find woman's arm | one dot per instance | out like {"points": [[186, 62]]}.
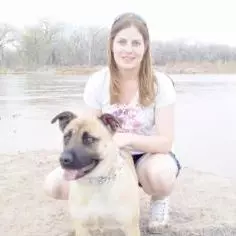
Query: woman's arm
{"points": [[92, 93], [161, 142]]}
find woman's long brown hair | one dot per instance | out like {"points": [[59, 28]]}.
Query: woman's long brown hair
{"points": [[147, 80]]}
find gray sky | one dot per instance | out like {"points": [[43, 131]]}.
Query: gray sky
{"points": [[204, 20]]}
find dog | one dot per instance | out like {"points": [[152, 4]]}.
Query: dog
{"points": [[104, 193]]}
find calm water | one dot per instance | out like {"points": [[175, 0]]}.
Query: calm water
{"points": [[205, 116]]}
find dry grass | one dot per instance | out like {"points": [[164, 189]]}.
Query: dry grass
{"points": [[175, 67], [202, 204], [77, 70], [201, 67]]}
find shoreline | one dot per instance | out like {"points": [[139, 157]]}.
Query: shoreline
{"points": [[174, 67], [201, 204]]}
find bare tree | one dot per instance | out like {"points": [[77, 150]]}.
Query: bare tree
{"points": [[38, 44], [48, 44], [7, 37]]}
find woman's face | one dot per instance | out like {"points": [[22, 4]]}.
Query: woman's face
{"points": [[128, 48]]}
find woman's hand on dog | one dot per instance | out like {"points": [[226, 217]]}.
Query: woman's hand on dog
{"points": [[122, 139]]}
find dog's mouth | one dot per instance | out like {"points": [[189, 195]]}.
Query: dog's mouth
{"points": [[74, 174]]}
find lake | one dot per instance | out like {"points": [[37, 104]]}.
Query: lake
{"points": [[205, 116]]}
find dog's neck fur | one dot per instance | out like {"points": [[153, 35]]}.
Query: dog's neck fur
{"points": [[110, 176]]}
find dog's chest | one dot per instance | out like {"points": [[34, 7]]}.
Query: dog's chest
{"points": [[99, 208]]}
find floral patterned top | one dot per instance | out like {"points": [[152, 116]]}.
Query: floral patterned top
{"points": [[135, 118]]}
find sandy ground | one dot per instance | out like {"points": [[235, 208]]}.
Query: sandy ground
{"points": [[202, 204]]}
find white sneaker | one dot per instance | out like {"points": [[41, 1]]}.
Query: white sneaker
{"points": [[159, 215]]}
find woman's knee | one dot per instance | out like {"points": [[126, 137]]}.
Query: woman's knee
{"points": [[157, 174], [54, 185]]}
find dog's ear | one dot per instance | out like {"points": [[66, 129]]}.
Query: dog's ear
{"points": [[64, 118], [110, 122]]}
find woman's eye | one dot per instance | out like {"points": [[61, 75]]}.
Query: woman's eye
{"points": [[122, 42], [135, 43]]}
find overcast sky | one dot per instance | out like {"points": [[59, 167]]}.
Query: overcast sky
{"points": [[204, 20]]}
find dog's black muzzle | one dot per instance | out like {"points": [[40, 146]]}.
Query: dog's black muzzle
{"points": [[76, 158]]}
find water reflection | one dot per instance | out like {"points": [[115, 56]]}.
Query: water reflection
{"points": [[205, 116]]}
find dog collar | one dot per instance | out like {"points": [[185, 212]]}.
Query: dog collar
{"points": [[106, 179], [102, 179]]}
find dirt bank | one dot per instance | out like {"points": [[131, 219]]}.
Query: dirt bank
{"points": [[202, 204], [171, 67]]}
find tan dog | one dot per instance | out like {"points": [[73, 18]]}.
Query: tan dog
{"points": [[104, 194]]}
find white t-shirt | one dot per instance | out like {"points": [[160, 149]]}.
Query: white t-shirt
{"points": [[135, 118]]}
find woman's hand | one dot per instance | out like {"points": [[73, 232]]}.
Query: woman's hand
{"points": [[122, 139]]}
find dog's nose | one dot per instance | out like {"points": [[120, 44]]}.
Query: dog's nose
{"points": [[66, 159]]}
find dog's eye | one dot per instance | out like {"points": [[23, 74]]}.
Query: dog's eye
{"points": [[88, 139], [67, 137]]}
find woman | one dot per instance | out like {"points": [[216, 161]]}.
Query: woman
{"points": [[144, 100]]}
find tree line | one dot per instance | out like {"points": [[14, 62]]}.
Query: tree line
{"points": [[49, 44]]}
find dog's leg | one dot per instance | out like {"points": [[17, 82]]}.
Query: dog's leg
{"points": [[81, 233], [72, 233], [133, 230]]}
